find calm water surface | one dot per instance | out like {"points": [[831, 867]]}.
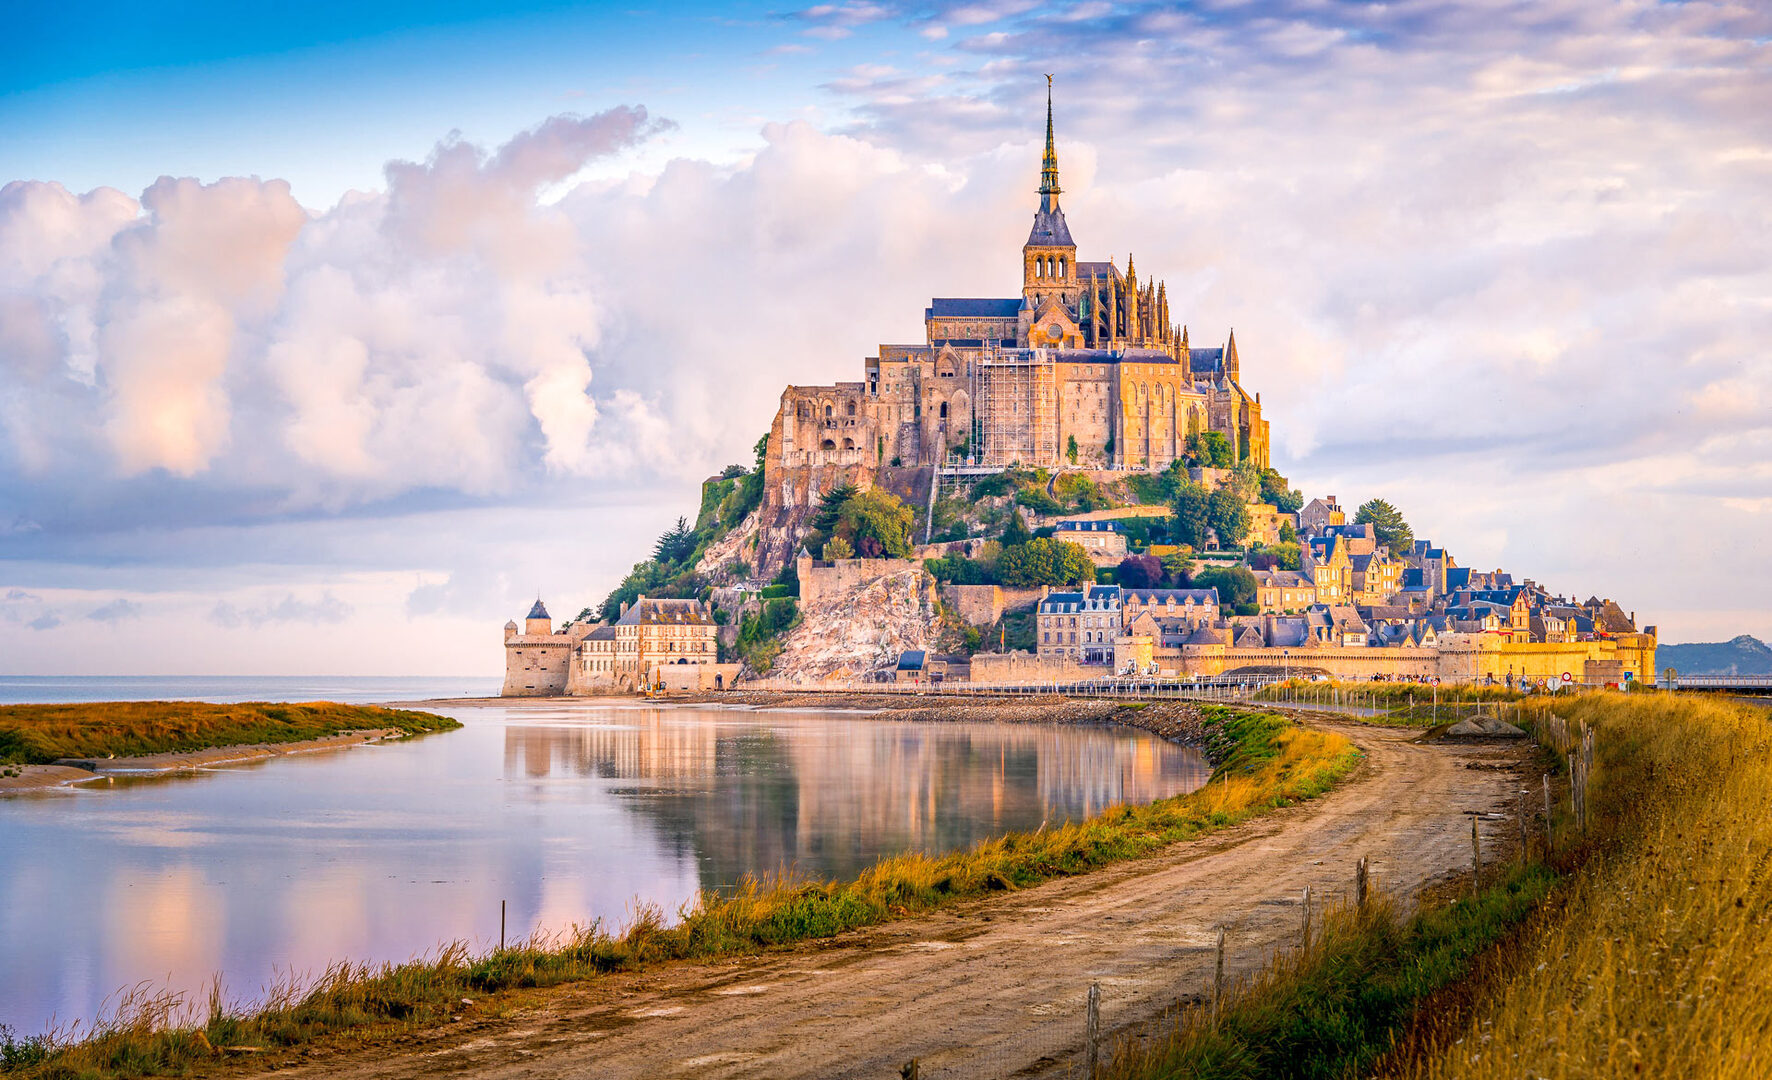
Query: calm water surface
{"points": [[569, 812]]}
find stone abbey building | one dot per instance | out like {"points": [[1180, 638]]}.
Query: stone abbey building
{"points": [[1085, 369]]}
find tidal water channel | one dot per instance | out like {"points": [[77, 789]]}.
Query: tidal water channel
{"points": [[565, 812]]}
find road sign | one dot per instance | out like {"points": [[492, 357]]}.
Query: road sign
{"points": [[1566, 677]]}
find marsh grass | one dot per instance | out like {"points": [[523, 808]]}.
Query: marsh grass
{"points": [[40, 734], [1655, 959], [1264, 762]]}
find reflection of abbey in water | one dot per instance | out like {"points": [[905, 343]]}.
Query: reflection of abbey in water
{"points": [[830, 797]]}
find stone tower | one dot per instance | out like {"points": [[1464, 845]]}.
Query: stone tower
{"points": [[538, 621], [1049, 258]]}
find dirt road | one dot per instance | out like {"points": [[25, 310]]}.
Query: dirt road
{"points": [[994, 988]]}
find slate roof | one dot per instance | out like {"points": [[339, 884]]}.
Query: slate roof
{"points": [[952, 307], [1211, 360], [652, 611], [1088, 526], [1285, 579], [1102, 271], [911, 660], [1289, 632], [1098, 598], [1148, 597], [1050, 230], [539, 611], [601, 633]]}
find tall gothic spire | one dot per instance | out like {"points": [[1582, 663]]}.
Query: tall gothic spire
{"points": [[1050, 230], [1049, 188]]}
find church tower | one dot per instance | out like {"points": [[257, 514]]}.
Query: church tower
{"points": [[1049, 258]]}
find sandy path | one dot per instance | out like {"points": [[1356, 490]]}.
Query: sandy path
{"points": [[995, 987]]}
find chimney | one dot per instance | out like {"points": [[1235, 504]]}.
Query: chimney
{"points": [[624, 607]]}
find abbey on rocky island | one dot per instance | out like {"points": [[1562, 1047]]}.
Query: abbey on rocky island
{"points": [[1086, 369]]}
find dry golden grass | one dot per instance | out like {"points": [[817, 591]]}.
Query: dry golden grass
{"points": [[1655, 959], [38, 734]]}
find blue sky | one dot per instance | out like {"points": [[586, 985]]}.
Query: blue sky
{"points": [[367, 322], [119, 94]]}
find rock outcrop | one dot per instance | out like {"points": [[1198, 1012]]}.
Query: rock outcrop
{"points": [[860, 632]]}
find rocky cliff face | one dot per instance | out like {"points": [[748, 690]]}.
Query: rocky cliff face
{"points": [[860, 631]]}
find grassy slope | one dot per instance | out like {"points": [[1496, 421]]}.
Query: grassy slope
{"points": [[38, 734], [1264, 762], [1638, 949], [1654, 961]]}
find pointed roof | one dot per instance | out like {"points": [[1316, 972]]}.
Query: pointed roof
{"points": [[539, 611], [1049, 164], [1049, 228], [1230, 350]]}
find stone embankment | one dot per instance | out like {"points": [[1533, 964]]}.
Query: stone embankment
{"points": [[1177, 721]]}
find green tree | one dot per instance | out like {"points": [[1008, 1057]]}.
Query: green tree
{"points": [[1070, 449], [1245, 480], [1288, 531], [1275, 492], [675, 545], [1211, 449], [1387, 525], [1044, 561], [838, 548], [876, 523], [1178, 570], [1228, 515], [1235, 584], [830, 507], [1016, 532], [1190, 504]]}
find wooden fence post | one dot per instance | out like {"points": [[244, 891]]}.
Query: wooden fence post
{"points": [[1476, 859], [1360, 883], [501, 926], [1218, 979], [1305, 925], [1547, 812], [1092, 1030], [1524, 837], [910, 1072]]}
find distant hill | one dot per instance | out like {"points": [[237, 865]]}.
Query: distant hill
{"points": [[1744, 655]]}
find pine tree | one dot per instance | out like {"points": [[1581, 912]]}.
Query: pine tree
{"points": [[1387, 524]]}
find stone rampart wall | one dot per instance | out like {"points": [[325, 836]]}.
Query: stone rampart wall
{"points": [[982, 605], [535, 666], [1020, 668], [822, 581]]}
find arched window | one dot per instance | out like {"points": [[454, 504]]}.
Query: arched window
{"points": [[827, 411], [1061, 270], [1039, 268], [828, 445], [851, 408], [944, 410]]}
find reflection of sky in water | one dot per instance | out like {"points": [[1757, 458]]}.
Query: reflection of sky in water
{"points": [[568, 812]]}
